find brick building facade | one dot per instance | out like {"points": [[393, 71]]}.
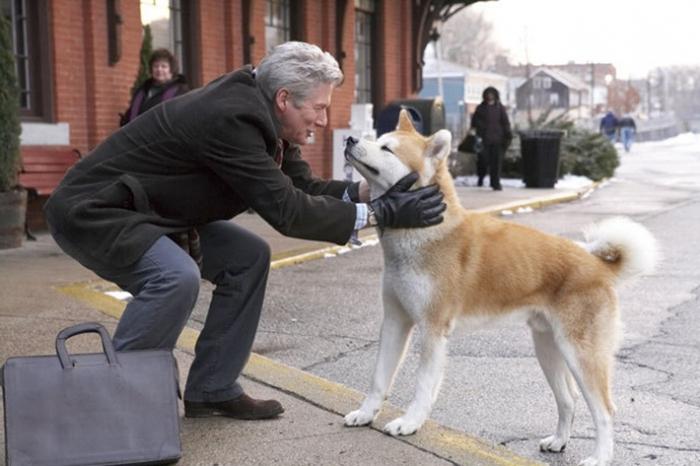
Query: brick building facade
{"points": [[87, 52]]}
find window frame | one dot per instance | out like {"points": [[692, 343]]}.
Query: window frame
{"points": [[366, 9], [286, 25], [183, 38], [39, 106]]}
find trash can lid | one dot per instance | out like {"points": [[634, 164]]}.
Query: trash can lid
{"points": [[541, 134]]}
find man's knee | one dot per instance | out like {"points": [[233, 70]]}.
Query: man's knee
{"points": [[264, 253], [183, 282]]}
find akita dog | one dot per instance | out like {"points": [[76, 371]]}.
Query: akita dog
{"points": [[474, 267]]}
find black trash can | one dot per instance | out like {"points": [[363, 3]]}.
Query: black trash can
{"points": [[540, 154]]}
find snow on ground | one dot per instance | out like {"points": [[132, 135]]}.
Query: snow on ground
{"points": [[685, 142], [688, 143], [567, 182]]}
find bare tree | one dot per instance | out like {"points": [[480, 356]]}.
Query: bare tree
{"points": [[467, 38]]}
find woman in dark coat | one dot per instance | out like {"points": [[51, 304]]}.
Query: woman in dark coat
{"points": [[492, 125], [164, 83]]}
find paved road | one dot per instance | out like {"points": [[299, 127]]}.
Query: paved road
{"points": [[324, 317]]}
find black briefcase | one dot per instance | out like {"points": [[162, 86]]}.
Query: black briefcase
{"points": [[91, 409]]}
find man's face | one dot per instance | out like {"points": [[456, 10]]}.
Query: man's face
{"points": [[299, 121]]}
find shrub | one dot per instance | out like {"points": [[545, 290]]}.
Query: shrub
{"points": [[10, 128], [582, 152], [588, 154], [145, 55]]}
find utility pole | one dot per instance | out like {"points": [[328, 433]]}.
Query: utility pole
{"points": [[527, 79], [435, 37], [592, 88]]}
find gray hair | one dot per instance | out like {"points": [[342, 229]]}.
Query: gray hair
{"points": [[298, 67]]}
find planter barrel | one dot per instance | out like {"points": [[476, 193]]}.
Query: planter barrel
{"points": [[13, 211]]}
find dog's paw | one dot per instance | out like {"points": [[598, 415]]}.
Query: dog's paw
{"points": [[553, 443], [401, 426], [358, 418]]}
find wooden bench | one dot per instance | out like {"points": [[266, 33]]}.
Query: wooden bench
{"points": [[43, 169]]}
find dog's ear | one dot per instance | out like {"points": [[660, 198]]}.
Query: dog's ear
{"points": [[439, 145], [405, 123]]}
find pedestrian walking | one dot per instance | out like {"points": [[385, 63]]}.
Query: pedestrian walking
{"points": [[608, 126], [628, 129], [492, 126], [188, 166]]}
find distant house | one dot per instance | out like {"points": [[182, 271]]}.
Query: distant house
{"points": [[553, 90], [461, 90]]}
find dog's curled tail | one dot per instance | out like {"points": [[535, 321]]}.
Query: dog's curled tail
{"points": [[628, 247]]}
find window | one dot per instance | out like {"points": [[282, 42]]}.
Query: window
{"points": [[277, 23], [173, 26], [537, 82], [30, 48], [546, 82], [364, 26], [554, 99], [165, 19]]}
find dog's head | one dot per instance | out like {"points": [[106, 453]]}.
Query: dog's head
{"points": [[394, 155]]}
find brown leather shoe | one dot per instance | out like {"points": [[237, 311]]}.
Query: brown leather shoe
{"points": [[243, 407]]}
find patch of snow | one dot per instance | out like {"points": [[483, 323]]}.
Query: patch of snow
{"points": [[120, 295]]}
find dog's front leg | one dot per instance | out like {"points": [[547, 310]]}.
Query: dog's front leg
{"points": [[396, 328], [430, 372]]}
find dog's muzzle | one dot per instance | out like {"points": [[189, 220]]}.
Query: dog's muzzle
{"points": [[350, 142]]}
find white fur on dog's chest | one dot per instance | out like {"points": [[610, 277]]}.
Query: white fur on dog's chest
{"points": [[405, 275]]}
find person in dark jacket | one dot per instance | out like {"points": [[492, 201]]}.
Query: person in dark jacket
{"points": [[627, 128], [608, 126], [164, 83], [492, 126], [185, 168]]}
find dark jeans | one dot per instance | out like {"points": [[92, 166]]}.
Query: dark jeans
{"points": [[490, 160], [165, 285]]}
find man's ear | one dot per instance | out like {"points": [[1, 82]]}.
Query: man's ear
{"points": [[439, 145], [282, 99]]}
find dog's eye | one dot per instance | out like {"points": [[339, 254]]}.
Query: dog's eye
{"points": [[386, 148]]}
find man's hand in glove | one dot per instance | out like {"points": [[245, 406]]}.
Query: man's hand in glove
{"points": [[401, 208]]}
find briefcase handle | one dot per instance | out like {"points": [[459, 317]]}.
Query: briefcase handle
{"points": [[88, 327]]}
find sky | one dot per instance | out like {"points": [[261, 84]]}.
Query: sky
{"points": [[634, 35]]}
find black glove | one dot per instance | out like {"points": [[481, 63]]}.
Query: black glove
{"points": [[354, 191], [401, 208]]}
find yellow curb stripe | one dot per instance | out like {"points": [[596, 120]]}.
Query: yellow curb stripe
{"points": [[329, 395]]}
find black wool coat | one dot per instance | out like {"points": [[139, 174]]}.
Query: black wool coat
{"points": [[207, 155], [492, 124]]}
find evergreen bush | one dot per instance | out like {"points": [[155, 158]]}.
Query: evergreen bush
{"points": [[10, 128], [145, 55], [582, 152]]}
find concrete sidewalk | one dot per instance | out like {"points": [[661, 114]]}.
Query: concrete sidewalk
{"points": [[44, 291]]}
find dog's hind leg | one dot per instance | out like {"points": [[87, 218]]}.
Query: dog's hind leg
{"points": [[396, 329], [429, 376], [560, 380], [590, 359]]}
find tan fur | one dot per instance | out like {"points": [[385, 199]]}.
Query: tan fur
{"points": [[478, 267]]}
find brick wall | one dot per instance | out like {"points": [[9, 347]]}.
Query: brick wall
{"points": [[89, 93]]}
